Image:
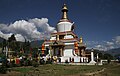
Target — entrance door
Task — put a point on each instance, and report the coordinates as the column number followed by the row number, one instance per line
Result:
column 56, row 51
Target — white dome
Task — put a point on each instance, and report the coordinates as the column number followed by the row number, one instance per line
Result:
column 64, row 26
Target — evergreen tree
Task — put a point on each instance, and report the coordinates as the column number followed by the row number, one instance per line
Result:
column 12, row 43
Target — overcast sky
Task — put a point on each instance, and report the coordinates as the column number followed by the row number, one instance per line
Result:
column 97, row 21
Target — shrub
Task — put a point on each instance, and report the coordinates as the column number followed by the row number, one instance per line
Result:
column 9, row 65
column 13, row 63
column 35, row 63
column 25, row 63
column 3, row 69
column 49, row 61
column 42, row 61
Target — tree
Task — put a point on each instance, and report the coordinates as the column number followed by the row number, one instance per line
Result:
column 26, row 47
column 12, row 38
column 4, row 44
column 108, row 56
column 12, row 44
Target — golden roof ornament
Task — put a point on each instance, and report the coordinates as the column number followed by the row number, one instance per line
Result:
column 81, row 40
column 65, row 7
column 64, row 10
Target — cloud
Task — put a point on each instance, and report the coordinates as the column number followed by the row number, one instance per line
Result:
column 30, row 29
column 117, row 39
column 104, row 45
column 3, row 27
column 19, row 37
column 109, row 43
column 42, row 25
column 91, row 44
column 24, row 28
column 5, row 36
column 100, row 47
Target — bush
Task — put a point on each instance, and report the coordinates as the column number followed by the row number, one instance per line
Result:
column 3, row 70
column 42, row 61
column 9, row 65
column 35, row 63
column 25, row 63
column 13, row 63
column 49, row 61
column 29, row 62
column 21, row 62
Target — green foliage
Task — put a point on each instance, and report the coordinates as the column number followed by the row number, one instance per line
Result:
column 23, row 70
column 63, row 70
column 12, row 38
column 35, row 52
column 35, row 63
column 12, row 43
column 15, row 45
column 13, row 63
column 2, row 56
column 116, row 56
column 42, row 61
column 49, row 61
column 103, row 55
column 26, row 47
column 3, row 69
column 107, row 56
column 4, row 43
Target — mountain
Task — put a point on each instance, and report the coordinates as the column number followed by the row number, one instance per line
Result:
column 114, row 52
column 1, row 39
column 37, row 43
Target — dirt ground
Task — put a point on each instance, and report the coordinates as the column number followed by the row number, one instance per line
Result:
column 12, row 73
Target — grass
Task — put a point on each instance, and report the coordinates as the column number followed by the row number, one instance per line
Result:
column 66, row 70
column 22, row 69
column 112, row 70
column 60, row 70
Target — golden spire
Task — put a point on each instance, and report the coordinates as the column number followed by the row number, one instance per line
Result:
column 64, row 10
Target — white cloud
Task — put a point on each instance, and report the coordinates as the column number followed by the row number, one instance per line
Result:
column 31, row 29
column 19, row 37
column 98, row 46
column 42, row 24
column 5, row 36
column 104, row 45
column 109, row 43
column 24, row 28
column 3, row 26
column 117, row 39
column 39, row 22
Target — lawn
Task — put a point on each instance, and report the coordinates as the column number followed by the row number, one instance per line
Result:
column 68, row 70
column 112, row 70
column 22, row 69
column 58, row 70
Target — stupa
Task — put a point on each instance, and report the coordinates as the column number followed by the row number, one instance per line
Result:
column 65, row 44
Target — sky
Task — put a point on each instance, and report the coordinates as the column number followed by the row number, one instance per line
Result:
column 97, row 21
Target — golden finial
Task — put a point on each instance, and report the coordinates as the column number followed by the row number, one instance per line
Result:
column 65, row 7
column 64, row 10
column 81, row 40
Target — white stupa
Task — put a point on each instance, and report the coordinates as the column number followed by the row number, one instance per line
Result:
column 64, row 24
column 65, row 44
